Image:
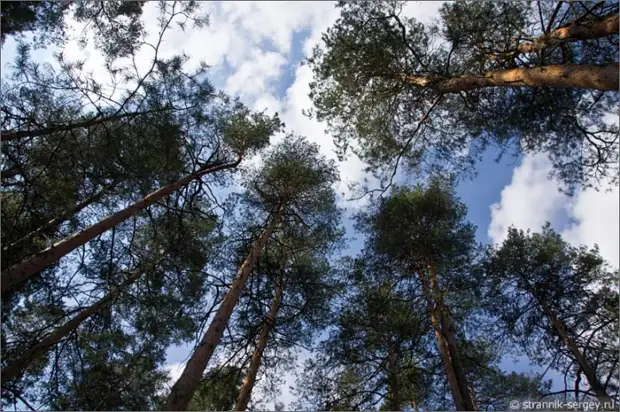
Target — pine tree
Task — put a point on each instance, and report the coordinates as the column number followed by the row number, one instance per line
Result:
column 66, row 338
column 116, row 25
column 243, row 134
column 554, row 300
column 503, row 74
column 293, row 187
column 375, row 355
column 294, row 279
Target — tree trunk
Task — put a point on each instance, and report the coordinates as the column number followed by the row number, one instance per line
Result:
column 16, row 367
column 248, row 382
column 394, row 388
column 474, row 398
column 29, row 267
column 61, row 218
column 585, row 366
column 448, row 332
column 596, row 29
column 577, row 76
column 4, row 136
column 184, row 388
column 10, row 172
column 443, row 346
column 603, row 27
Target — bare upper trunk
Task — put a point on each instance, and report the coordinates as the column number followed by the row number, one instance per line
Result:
column 20, row 272
column 577, row 76
column 448, row 332
column 575, row 32
column 443, row 346
column 184, row 388
column 16, row 367
column 474, row 398
column 394, row 387
column 589, row 30
column 586, row 367
column 248, row 382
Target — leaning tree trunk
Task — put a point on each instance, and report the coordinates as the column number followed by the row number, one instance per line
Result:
column 16, row 367
column 20, row 272
column 444, row 352
column 589, row 30
column 248, row 382
column 448, row 332
column 184, row 388
column 4, row 136
column 62, row 217
column 595, row 384
column 577, row 76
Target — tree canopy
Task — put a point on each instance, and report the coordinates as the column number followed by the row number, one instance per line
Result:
column 154, row 212
column 433, row 97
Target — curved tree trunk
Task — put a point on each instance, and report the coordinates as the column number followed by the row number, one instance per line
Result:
column 595, row 29
column 248, row 382
column 586, row 367
column 16, row 367
column 20, row 272
column 577, row 76
column 184, row 388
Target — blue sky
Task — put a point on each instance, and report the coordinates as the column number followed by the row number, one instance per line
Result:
column 255, row 50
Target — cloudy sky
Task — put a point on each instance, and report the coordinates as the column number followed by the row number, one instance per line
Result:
column 255, row 50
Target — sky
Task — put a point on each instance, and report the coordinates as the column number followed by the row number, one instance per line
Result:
column 255, row 50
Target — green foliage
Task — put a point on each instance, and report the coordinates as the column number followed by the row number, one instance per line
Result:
column 421, row 226
column 529, row 270
column 23, row 16
column 86, row 153
column 116, row 25
column 358, row 89
column 218, row 390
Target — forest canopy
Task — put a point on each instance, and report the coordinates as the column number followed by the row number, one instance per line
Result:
column 156, row 212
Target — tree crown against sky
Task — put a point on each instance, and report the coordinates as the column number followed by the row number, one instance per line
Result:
column 394, row 90
column 108, row 311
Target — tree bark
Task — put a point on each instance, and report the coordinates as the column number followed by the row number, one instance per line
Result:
column 4, row 136
column 585, row 366
column 16, row 367
column 248, row 382
column 10, row 172
column 590, row 30
column 443, row 346
column 62, row 218
column 577, row 76
column 20, row 272
column 448, row 332
column 394, row 388
column 184, row 388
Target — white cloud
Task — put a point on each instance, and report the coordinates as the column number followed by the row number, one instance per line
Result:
column 531, row 199
column 255, row 76
column 597, row 222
